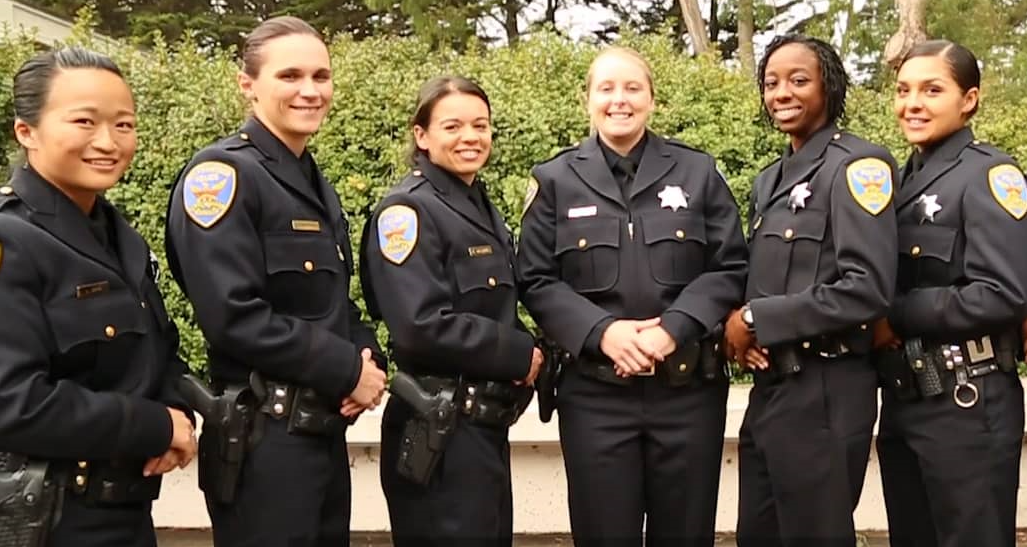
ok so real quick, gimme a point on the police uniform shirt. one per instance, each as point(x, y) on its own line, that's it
point(88, 355)
point(673, 249)
point(961, 233)
point(439, 269)
point(262, 251)
point(823, 239)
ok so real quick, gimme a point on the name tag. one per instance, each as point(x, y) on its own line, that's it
point(306, 226)
point(91, 289)
point(579, 212)
point(479, 250)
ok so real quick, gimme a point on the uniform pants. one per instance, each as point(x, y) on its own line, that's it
point(81, 525)
point(469, 500)
point(803, 451)
point(294, 492)
point(647, 453)
point(950, 474)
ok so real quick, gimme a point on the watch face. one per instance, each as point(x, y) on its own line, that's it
point(747, 316)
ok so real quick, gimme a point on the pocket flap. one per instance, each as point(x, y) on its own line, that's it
point(75, 321)
point(585, 234)
point(674, 227)
point(927, 240)
point(806, 224)
point(484, 272)
point(300, 252)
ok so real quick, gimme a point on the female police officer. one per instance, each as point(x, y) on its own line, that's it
point(260, 245)
point(950, 448)
point(439, 266)
point(822, 265)
point(631, 252)
point(88, 358)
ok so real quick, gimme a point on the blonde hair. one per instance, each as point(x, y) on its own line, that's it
point(623, 52)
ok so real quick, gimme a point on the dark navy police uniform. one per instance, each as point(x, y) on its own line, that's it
point(438, 265)
point(88, 360)
point(258, 242)
point(652, 234)
point(950, 459)
point(822, 268)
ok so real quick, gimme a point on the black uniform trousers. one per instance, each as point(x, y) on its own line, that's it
point(294, 492)
point(803, 451)
point(950, 474)
point(469, 500)
point(84, 525)
point(644, 449)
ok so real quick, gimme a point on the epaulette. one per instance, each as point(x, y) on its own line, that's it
point(572, 148)
point(681, 144)
point(985, 148)
point(844, 140)
point(236, 141)
point(7, 196)
point(411, 182)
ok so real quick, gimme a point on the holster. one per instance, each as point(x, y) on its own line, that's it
point(30, 500)
point(426, 435)
point(549, 377)
point(895, 374)
point(228, 434)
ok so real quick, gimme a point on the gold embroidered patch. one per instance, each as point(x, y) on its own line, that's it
point(870, 184)
point(397, 233)
point(208, 191)
point(1008, 187)
point(530, 194)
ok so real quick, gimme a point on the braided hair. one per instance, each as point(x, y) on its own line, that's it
point(832, 72)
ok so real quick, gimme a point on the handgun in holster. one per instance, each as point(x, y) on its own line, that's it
point(228, 433)
point(928, 381)
point(549, 377)
point(425, 435)
point(712, 360)
point(30, 501)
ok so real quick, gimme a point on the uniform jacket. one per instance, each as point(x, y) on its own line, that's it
point(88, 358)
point(450, 299)
point(829, 265)
point(269, 276)
point(675, 249)
point(962, 266)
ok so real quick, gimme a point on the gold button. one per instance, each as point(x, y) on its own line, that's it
point(80, 480)
point(582, 242)
point(492, 282)
point(110, 331)
point(142, 304)
point(789, 233)
point(6, 190)
point(758, 223)
point(244, 136)
point(837, 136)
point(805, 345)
point(417, 172)
point(680, 234)
point(863, 326)
point(977, 141)
point(83, 465)
point(278, 408)
point(683, 367)
point(309, 266)
point(915, 251)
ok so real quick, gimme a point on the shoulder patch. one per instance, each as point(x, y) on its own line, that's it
point(1010, 190)
point(869, 181)
point(530, 194)
point(397, 233)
point(208, 192)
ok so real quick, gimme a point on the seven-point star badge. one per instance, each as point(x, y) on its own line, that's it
point(928, 206)
point(673, 197)
point(797, 199)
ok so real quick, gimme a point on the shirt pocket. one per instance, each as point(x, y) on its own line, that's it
point(926, 253)
point(676, 243)
point(786, 252)
point(304, 272)
point(484, 284)
point(587, 250)
point(96, 335)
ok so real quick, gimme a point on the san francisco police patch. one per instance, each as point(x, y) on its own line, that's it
point(1010, 190)
point(397, 233)
point(529, 194)
point(208, 192)
point(870, 184)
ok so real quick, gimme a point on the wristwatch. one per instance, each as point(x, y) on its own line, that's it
point(747, 318)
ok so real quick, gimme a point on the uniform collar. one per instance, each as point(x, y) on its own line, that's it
point(935, 162)
point(458, 193)
point(635, 154)
point(271, 146)
point(949, 148)
point(443, 180)
point(813, 148)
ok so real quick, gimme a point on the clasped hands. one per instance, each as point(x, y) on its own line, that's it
point(183, 446)
point(636, 345)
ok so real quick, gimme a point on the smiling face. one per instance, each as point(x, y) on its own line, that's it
point(86, 135)
point(292, 90)
point(793, 92)
point(458, 137)
point(620, 99)
point(929, 103)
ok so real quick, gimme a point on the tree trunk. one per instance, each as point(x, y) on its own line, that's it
point(551, 6)
point(510, 10)
point(696, 26)
point(714, 22)
point(745, 31)
point(912, 30)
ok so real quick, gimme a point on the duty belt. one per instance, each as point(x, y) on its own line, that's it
point(308, 413)
point(493, 404)
point(971, 359)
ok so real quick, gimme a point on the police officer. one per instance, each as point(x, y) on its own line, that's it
point(950, 452)
point(822, 267)
point(87, 353)
point(439, 268)
point(258, 242)
point(631, 253)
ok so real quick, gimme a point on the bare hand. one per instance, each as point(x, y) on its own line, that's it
point(756, 358)
point(630, 352)
point(350, 408)
point(537, 360)
point(370, 386)
point(659, 338)
point(165, 463)
point(737, 338)
point(183, 436)
point(884, 336)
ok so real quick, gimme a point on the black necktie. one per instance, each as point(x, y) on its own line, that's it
point(626, 167)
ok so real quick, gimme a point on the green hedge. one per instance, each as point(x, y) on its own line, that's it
point(187, 99)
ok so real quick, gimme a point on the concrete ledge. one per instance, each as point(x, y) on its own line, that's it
point(540, 489)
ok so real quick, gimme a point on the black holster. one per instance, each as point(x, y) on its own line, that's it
point(556, 358)
point(30, 501)
point(230, 428)
point(426, 435)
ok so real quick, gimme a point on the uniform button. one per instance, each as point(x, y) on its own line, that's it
point(244, 136)
point(309, 266)
point(863, 326)
point(278, 408)
point(582, 242)
point(83, 465)
point(836, 136)
point(806, 345)
point(469, 405)
point(492, 282)
point(683, 367)
point(142, 304)
point(789, 233)
point(110, 331)
point(977, 141)
point(6, 190)
point(915, 251)
point(417, 172)
point(279, 392)
point(80, 480)
point(759, 222)
point(680, 234)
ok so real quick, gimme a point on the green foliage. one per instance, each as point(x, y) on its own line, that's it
point(186, 99)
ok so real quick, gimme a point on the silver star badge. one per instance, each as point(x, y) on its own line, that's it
point(797, 199)
point(928, 206)
point(673, 197)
